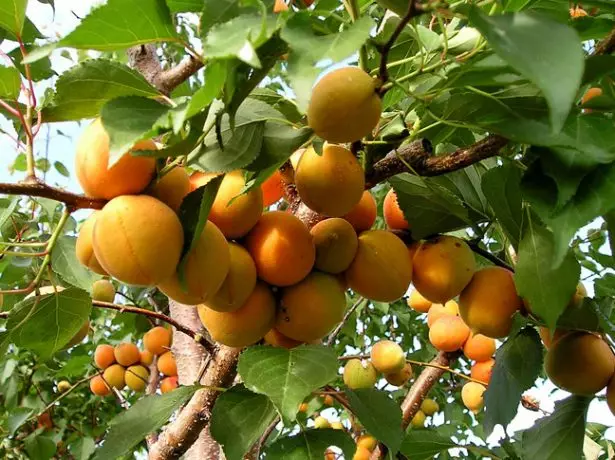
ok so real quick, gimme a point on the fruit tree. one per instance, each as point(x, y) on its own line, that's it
point(307, 229)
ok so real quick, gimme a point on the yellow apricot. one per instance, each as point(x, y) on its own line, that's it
point(157, 340)
point(418, 421)
point(381, 270)
point(103, 291)
point(344, 106)
point(127, 354)
point(337, 425)
point(147, 358)
point(387, 357)
point(98, 386)
point(129, 175)
point(448, 333)
point(580, 362)
point(489, 301)
point(244, 326)
point(138, 240)
point(367, 442)
point(84, 248)
point(479, 347)
point(472, 396)
point(104, 356)
point(114, 375)
point(239, 282)
point(399, 378)
point(321, 422)
point(167, 364)
point(442, 267)
point(311, 308)
point(282, 248)
point(332, 183)
point(63, 386)
point(168, 384)
point(336, 245)
point(393, 215)
point(136, 378)
point(482, 370)
point(277, 339)
point(361, 454)
point(237, 218)
point(359, 375)
point(172, 187)
point(363, 215)
point(429, 406)
point(418, 303)
point(437, 311)
point(207, 265)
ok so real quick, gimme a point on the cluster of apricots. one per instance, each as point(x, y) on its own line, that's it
point(126, 365)
point(386, 358)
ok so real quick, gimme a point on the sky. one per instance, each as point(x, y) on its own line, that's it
point(58, 141)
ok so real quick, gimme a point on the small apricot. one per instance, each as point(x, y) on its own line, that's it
point(147, 358)
point(429, 406)
point(448, 333)
point(359, 375)
point(104, 356)
point(114, 375)
point(336, 245)
point(172, 187)
point(320, 422)
point(337, 425)
point(479, 347)
point(273, 189)
point(168, 384)
point(167, 365)
point(482, 370)
point(127, 354)
point(472, 396)
point(437, 311)
point(399, 378)
point(103, 291)
point(63, 386)
point(98, 386)
point(277, 339)
point(328, 400)
point(393, 215)
point(418, 303)
point(84, 248)
point(418, 421)
point(157, 340)
point(136, 377)
point(363, 215)
point(361, 454)
point(367, 442)
point(387, 357)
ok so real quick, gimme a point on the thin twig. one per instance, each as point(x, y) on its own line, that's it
point(64, 394)
point(339, 327)
point(490, 257)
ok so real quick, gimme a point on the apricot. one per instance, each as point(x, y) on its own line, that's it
point(328, 400)
point(98, 386)
point(363, 215)
point(114, 375)
point(168, 384)
point(548, 338)
point(147, 358)
point(610, 395)
point(166, 364)
point(277, 339)
point(84, 248)
point(580, 363)
point(442, 267)
point(344, 106)
point(429, 406)
point(336, 245)
point(359, 375)
point(329, 454)
point(418, 303)
point(104, 356)
point(449, 333)
point(361, 454)
point(172, 187)
point(413, 248)
point(136, 377)
point(127, 354)
point(472, 396)
point(399, 378)
point(487, 304)
point(138, 240)
point(239, 282)
point(590, 94)
point(303, 407)
point(282, 248)
point(393, 215)
point(482, 370)
point(337, 425)
point(273, 189)
point(367, 442)
point(311, 308)
point(332, 183)
point(320, 422)
point(575, 301)
point(479, 347)
point(237, 218)
point(79, 336)
point(437, 311)
point(381, 270)
point(387, 357)
point(63, 386)
point(418, 421)
point(157, 340)
point(244, 326)
point(129, 175)
point(198, 179)
point(103, 291)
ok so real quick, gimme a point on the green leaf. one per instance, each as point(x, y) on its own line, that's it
point(13, 15)
point(287, 377)
point(64, 262)
point(517, 365)
point(59, 166)
point(311, 445)
point(597, 67)
point(502, 188)
point(285, 106)
point(558, 436)
point(181, 6)
point(309, 48)
point(40, 446)
point(147, 415)
point(555, 64)
point(17, 418)
point(10, 83)
point(609, 218)
point(40, 70)
point(7, 207)
point(379, 414)
point(83, 90)
point(215, 76)
point(44, 324)
point(219, 11)
point(425, 444)
point(83, 448)
point(238, 420)
point(547, 288)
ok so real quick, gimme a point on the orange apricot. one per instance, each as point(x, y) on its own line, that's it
point(84, 248)
point(147, 358)
point(172, 187)
point(361, 454)
point(590, 94)
point(198, 179)
point(115, 375)
point(472, 396)
point(448, 333)
point(104, 356)
point(387, 357)
point(547, 338)
point(157, 340)
point(418, 303)
point(282, 248)
point(336, 245)
point(399, 378)
point(129, 175)
point(363, 215)
point(127, 354)
point(98, 386)
point(479, 347)
point(167, 365)
point(168, 384)
point(393, 215)
point(437, 311)
point(137, 377)
point(277, 339)
point(367, 442)
point(482, 370)
point(273, 189)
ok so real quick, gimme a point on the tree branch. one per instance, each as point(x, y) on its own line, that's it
point(606, 45)
point(71, 200)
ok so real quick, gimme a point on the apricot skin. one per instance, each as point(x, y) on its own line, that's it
point(387, 357)
point(115, 376)
point(449, 333)
point(437, 311)
point(136, 378)
point(168, 384)
point(356, 375)
point(429, 407)
point(482, 370)
point(344, 106)
point(167, 365)
point(138, 240)
point(311, 308)
point(127, 354)
point(147, 358)
point(367, 442)
point(103, 290)
point(98, 386)
point(336, 245)
point(282, 248)
point(361, 454)
point(331, 184)
point(581, 363)
point(399, 378)
point(172, 188)
point(239, 282)
point(419, 303)
point(104, 356)
point(207, 265)
point(381, 270)
point(443, 266)
point(277, 339)
point(393, 215)
point(157, 340)
point(363, 215)
point(547, 338)
point(84, 248)
point(273, 189)
point(244, 326)
point(129, 175)
point(472, 396)
point(418, 421)
point(488, 303)
point(479, 347)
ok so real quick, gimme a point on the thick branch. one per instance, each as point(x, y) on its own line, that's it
point(418, 156)
point(72, 200)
